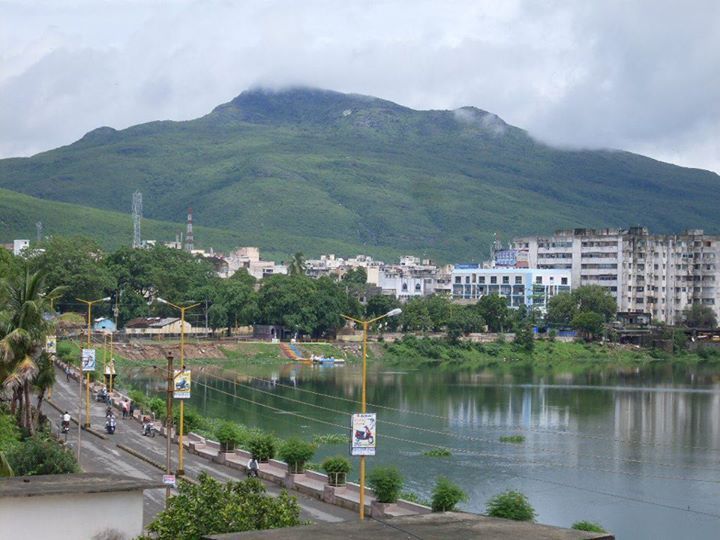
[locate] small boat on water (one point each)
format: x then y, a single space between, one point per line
322 360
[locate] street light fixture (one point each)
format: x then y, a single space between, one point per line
181 427
365 324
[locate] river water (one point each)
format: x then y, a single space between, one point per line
635 450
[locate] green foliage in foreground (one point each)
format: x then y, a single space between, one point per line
212 507
511 505
41 454
438 452
588 526
515 439
263 446
446 495
386 482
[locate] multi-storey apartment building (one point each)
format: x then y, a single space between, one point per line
656 274
521 286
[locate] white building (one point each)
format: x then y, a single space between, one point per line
61 506
660 275
19 246
531 287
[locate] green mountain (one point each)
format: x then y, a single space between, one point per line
318 170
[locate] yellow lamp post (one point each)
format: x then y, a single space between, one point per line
89 337
181 427
365 324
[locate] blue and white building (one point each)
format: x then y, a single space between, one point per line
531 287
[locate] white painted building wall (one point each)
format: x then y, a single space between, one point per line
70 516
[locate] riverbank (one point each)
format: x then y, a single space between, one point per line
568 356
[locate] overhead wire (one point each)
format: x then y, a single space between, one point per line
471 438
511 459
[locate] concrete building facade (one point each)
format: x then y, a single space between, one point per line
531 287
661 275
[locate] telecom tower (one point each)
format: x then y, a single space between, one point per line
189 240
137 218
38 227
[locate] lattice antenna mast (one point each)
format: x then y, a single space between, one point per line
137 219
38 227
189 238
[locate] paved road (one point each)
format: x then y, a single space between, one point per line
103 455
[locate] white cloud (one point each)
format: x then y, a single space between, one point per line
639 75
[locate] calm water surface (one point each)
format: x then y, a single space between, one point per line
637 451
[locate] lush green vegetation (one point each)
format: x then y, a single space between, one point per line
511 505
331 438
446 495
296 452
41 454
386 483
294 172
336 467
514 439
263 446
588 526
438 452
212 507
547 354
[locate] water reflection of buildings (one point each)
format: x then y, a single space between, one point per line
666 416
507 406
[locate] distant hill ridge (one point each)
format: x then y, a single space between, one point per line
314 169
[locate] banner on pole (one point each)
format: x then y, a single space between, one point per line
51 344
182 384
169 479
363 434
88 359
110 367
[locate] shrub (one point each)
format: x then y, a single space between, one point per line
438 452
296 452
157 406
9 432
386 482
41 455
262 446
588 526
446 495
552 334
140 399
515 439
191 419
229 436
336 468
212 507
511 505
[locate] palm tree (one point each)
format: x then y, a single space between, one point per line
297 265
22 338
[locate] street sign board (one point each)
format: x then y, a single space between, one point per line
182 384
88 359
51 344
169 479
364 434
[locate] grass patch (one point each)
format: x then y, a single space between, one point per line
514 439
438 452
330 438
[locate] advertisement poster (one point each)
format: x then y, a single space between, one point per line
88 359
182 384
51 344
363 434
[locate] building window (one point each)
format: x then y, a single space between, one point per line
506 279
404 286
474 278
493 279
538 280
563 281
458 279
481 279
417 287
467 279
518 280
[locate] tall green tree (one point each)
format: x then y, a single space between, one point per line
699 316
495 311
297 265
22 337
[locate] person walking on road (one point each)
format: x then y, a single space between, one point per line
131 409
67 373
124 408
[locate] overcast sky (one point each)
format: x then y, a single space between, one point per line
632 74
